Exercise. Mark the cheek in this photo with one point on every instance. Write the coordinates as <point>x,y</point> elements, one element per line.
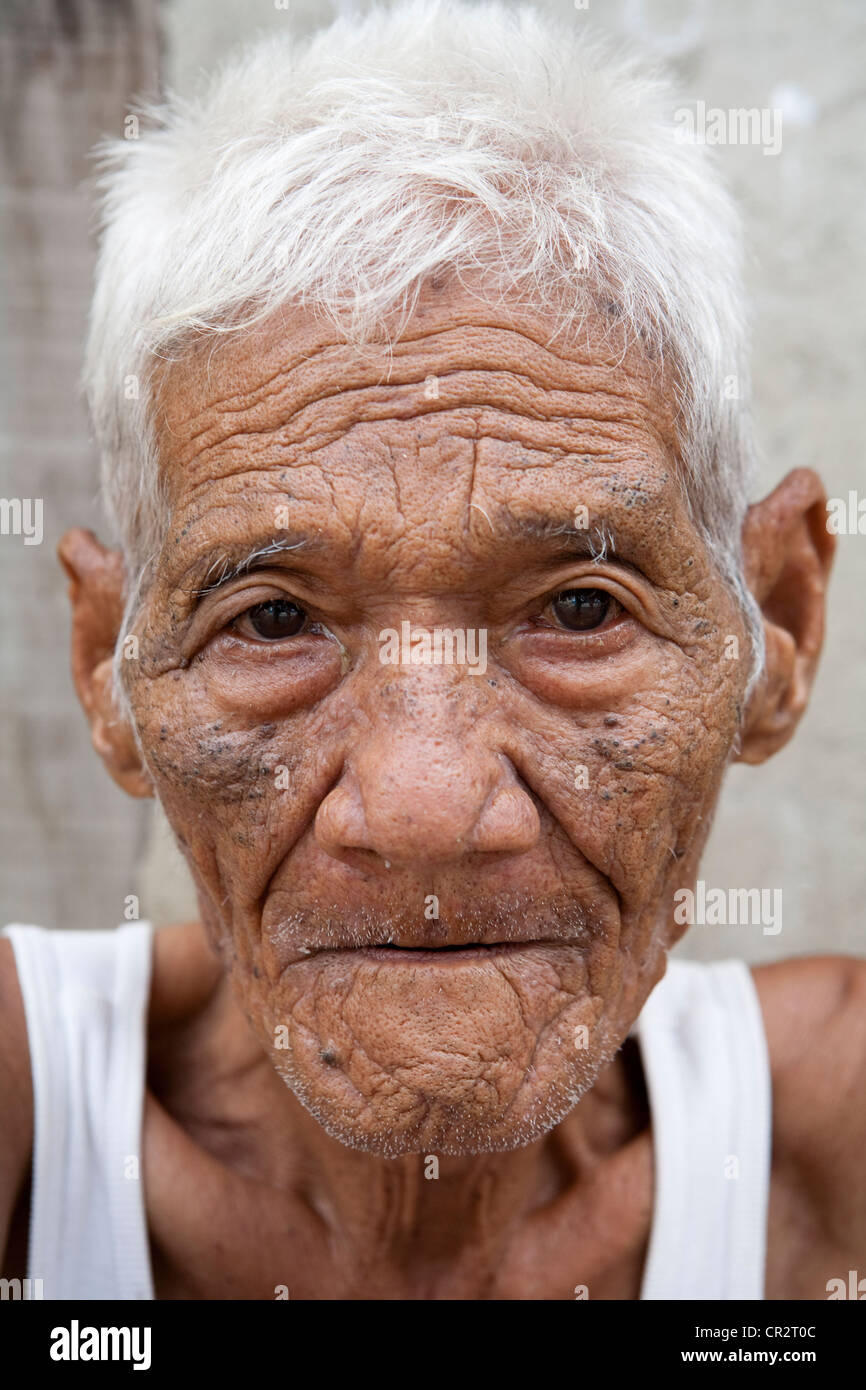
<point>228,730</point>
<point>233,785</point>
<point>632,778</point>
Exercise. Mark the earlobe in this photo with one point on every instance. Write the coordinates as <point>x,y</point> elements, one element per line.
<point>113,738</point>
<point>96,589</point>
<point>787,553</point>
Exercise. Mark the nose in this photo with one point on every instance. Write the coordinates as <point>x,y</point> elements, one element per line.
<point>413,801</point>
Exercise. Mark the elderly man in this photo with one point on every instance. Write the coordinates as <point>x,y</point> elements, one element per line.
<point>438,613</point>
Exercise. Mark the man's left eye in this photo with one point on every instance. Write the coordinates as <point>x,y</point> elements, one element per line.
<point>273,620</point>
<point>582,610</point>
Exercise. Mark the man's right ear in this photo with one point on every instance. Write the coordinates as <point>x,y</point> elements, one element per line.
<point>96,587</point>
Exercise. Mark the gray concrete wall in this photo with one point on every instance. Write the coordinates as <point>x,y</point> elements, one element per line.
<point>70,841</point>
<point>796,823</point>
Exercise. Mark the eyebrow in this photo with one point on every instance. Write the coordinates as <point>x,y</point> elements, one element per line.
<point>596,542</point>
<point>233,562</point>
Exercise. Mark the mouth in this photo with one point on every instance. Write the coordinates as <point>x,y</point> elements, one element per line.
<point>441,955</point>
<point>521,930</point>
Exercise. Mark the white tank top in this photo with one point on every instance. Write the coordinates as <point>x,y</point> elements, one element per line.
<point>704,1054</point>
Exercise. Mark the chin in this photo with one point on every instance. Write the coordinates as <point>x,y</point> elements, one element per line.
<point>445,1117</point>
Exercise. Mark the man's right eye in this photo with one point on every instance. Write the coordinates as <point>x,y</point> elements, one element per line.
<point>583,610</point>
<point>271,621</point>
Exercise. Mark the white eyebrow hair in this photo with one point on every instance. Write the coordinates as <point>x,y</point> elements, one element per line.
<point>223,569</point>
<point>598,540</point>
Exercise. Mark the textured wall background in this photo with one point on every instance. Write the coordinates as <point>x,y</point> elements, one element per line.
<point>72,846</point>
<point>69,839</point>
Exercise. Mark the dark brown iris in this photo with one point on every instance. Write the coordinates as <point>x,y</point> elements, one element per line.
<point>277,618</point>
<point>580,610</point>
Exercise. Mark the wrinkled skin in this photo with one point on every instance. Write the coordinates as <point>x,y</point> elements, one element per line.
<point>553,804</point>
<point>408,781</point>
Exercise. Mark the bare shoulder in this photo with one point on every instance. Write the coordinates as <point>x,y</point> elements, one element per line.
<point>815,1018</point>
<point>16,1092</point>
<point>186,970</point>
<point>814,1011</point>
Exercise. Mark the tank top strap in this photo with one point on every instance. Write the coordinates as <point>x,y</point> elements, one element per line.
<point>85,997</point>
<point>704,1052</point>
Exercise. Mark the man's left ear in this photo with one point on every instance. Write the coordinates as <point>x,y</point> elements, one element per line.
<point>787,554</point>
<point>96,588</point>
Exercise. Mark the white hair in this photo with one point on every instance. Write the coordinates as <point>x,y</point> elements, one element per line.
<point>341,172</point>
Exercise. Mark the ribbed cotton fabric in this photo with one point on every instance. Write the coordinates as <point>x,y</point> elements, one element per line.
<point>704,1050</point>
<point>85,996</point>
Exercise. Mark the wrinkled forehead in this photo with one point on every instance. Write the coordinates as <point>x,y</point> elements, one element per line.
<point>469,410</point>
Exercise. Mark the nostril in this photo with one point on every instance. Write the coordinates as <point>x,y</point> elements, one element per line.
<point>339,823</point>
<point>508,823</point>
